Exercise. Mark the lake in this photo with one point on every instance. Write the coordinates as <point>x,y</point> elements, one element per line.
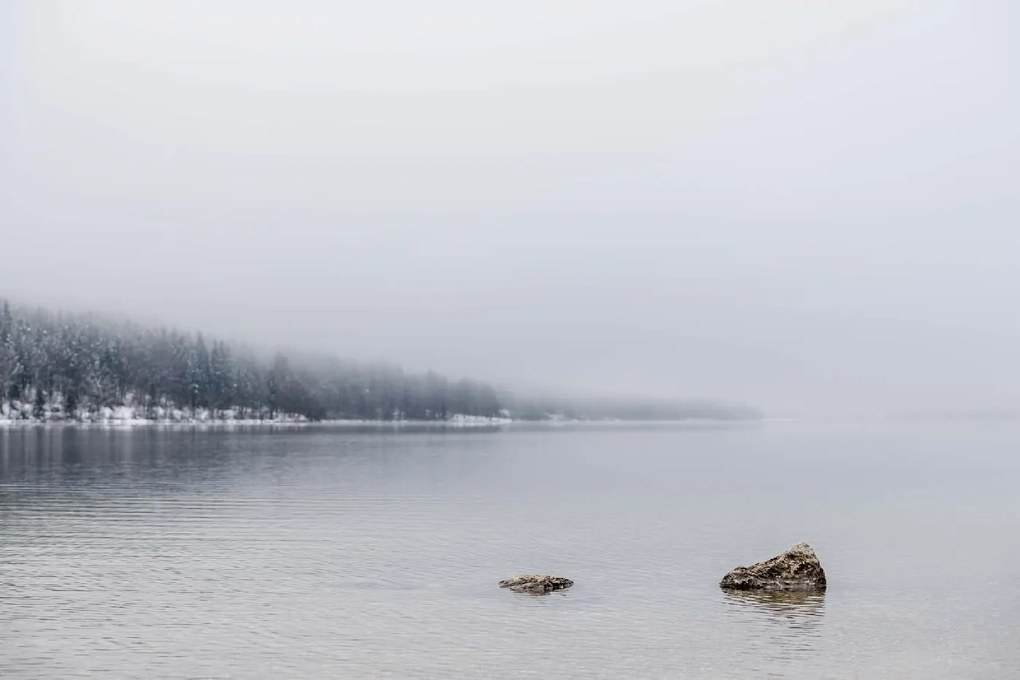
<point>340,552</point>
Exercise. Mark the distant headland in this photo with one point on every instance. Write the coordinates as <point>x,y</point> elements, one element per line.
<point>87,368</point>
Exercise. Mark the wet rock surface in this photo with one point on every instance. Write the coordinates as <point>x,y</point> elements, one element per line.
<point>536,584</point>
<point>797,569</point>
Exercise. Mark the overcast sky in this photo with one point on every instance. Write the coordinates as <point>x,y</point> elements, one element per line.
<point>811,206</point>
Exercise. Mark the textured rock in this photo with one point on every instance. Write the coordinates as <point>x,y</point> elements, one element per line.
<point>796,569</point>
<point>538,584</point>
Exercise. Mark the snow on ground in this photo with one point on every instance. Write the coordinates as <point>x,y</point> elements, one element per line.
<point>24,413</point>
<point>460,420</point>
<point>17,412</point>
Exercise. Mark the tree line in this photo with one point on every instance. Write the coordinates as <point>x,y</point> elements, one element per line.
<point>60,365</point>
<point>68,364</point>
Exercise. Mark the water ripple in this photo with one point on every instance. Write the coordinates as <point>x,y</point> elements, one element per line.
<point>319,553</point>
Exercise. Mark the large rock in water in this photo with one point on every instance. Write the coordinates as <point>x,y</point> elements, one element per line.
<point>796,569</point>
<point>538,584</point>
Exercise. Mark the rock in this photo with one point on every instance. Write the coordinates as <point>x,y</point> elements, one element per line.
<point>796,569</point>
<point>538,584</point>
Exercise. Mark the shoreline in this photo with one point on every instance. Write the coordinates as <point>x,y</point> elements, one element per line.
<point>285,421</point>
<point>466,423</point>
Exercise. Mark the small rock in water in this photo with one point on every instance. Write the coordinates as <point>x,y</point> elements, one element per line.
<point>538,584</point>
<point>796,569</point>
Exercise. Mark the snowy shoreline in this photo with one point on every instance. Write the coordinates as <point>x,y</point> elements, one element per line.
<point>125,417</point>
<point>49,412</point>
<point>463,422</point>
<point>218,424</point>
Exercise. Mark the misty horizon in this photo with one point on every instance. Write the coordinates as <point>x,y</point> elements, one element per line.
<point>558,339</point>
<point>807,209</point>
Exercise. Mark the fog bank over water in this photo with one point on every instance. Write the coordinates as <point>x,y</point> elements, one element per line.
<point>810,207</point>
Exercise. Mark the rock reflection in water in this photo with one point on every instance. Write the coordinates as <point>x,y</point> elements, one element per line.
<point>788,623</point>
<point>801,610</point>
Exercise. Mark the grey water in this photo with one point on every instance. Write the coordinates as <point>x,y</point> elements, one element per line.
<point>347,553</point>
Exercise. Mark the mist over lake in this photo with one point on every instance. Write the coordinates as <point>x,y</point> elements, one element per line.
<point>544,339</point>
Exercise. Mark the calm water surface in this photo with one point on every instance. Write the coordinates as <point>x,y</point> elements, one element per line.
<point>323,552</point>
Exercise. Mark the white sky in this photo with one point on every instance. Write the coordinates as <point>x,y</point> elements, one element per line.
<point>811,206</point>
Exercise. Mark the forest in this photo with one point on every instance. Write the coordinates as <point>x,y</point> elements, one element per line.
<point>72,366</point>
<point>86,367</point>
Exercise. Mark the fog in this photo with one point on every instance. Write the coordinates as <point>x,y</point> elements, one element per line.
<point>811,207</point>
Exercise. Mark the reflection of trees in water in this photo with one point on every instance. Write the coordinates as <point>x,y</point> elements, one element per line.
<point>74,457</point>
<point>794,618</point>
